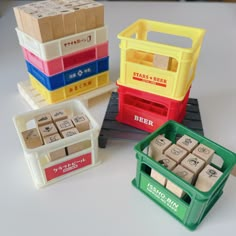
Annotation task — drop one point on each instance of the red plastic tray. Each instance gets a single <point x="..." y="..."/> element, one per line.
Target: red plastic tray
<point x="148" y="111"/>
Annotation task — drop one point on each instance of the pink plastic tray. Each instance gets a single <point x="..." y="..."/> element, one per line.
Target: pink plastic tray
<point x="69" y="61"/>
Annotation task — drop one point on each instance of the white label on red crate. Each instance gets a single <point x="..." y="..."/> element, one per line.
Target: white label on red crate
<point x="78" y="42"/>
<point x="63" y="168"/>
<point x="149" y="79"/>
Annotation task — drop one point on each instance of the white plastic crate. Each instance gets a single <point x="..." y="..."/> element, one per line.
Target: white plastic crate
<point x="46" y="172"/>
<point x="62" y="46"/>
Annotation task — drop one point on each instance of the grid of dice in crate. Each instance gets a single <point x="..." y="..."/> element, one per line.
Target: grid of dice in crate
<point x="188" y="159"/>
<point x="58" y="141"/>
<point x="182" y="171"/>
<point x="155" y="78"/>
<point x="65" y="45"/>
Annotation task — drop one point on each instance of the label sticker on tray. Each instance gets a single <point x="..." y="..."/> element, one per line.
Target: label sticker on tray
<point x="63" y="168"/>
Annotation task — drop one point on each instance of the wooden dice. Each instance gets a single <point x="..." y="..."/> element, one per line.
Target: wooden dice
<point x="183" y="173"/>
<point x="207" y="178"/>
<point x="167" y="163"/>
<point x="52" y="127"/>
<point x="158" y="146"/>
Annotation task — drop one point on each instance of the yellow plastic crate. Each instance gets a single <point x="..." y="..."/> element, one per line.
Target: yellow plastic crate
<point x="137" y="69"/>
<point x="72" y="90"/>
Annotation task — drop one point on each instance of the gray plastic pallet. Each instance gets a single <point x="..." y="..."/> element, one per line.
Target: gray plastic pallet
<point x="112" y="129"/>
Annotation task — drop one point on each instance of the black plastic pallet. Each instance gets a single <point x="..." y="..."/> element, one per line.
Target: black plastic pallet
<point x="112" y="129"/>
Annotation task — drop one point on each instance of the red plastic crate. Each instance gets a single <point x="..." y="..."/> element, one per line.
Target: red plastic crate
<point x="60" y="64"/>
<point x="147" y="111"/>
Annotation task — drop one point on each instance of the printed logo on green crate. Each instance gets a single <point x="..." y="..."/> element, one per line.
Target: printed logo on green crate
<point x="160" y="195"/>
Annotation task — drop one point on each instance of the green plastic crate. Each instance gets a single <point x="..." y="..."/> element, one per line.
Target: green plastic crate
<point x="191" y="209"/>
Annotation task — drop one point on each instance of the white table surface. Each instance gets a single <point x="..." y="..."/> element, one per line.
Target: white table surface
<point x="102" y="201"/>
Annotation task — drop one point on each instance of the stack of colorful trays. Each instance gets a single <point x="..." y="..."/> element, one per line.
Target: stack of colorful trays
<point x="65" y="45"/>
<point x="155" y="78"/>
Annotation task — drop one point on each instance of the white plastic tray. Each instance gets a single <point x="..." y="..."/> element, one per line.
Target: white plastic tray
<point x="63" y="46"/>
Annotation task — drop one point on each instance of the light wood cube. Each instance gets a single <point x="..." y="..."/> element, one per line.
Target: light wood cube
<point x="43" y="119"/>
<point x="158" y="146"/>
<point x="55" y="155"/>
<point x="59" y="115"/>
<point x="63" y="125"/>
<point x="176" y="153"/>
<point x="161" y="62"/>
<point x="207" y="178"/>
<point x="77" y="146"/>
<point x="32" y="138"/>
<point x="204" y="152"/>
<point x="166" y="162"/>
<point x="47" y="130"/>
<point x="187" y="143"/>
<point x="193" y="164"/>
<point x="81" y="122"/>
<point x="49" y="20"/>
<point x="183" y="173"/>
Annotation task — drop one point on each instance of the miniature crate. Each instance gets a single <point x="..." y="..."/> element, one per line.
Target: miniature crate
<point x="69" y="61"/>
<point x="137" y="54"/>
<point x="49" y="20"/>
<point x="146" y="111"/>
<point x="62" y="46"/>
<point x="44" y="172"/>
<point x="191" y="210"/>
<point x="70" y="76"/>
<point x="72" y="90"/>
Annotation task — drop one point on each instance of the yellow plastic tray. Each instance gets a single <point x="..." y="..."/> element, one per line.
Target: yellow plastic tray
<point x="72" y="90"/>
<point x="137" y="54"/>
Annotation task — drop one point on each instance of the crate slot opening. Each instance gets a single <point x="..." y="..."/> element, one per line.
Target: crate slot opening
<point x="145" y="105"/>
<point x="169" y="39"/>
<point x="152" y="60"/>
<point x="147" y="170"/>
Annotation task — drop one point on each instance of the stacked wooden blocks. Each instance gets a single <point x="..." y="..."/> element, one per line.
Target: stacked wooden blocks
<point x="65" y="45"/>
<point x="155" y="78"/>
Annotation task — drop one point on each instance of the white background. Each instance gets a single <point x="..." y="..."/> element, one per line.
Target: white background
<point x="102" y="201"/>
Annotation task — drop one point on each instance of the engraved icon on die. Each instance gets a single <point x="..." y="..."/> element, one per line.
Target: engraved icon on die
<point x="48" y="129"/>
<point x="187" y="141"/>
<point x="65" y="124"/>
<point x="164" y="162"/>
<point x="176" y="151"/>
<point x="203" y="149"/>
<point x="211" y="173"/>
<point x="193" y="161"/>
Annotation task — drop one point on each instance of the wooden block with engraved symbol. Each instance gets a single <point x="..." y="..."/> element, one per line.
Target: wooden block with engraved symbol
<point x="32" y="138"/>
<point x="47" y="130"/>
<point x="77" y="146"/>
<point x="176" y="153"/>
<point x="167" y="163"/>
<point x="207" y="178"/>
<point x="81" y="122"/>
<point x="57" y="154"/>
<point x="204" y="152"/>
<point x="43" y="119"/>
<point x="64" y="125"/>
<point x="183" y="173"/>
<point x="158" y="146"/>
<point x="187" y="143"/>
<point x="58" y="115"/>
